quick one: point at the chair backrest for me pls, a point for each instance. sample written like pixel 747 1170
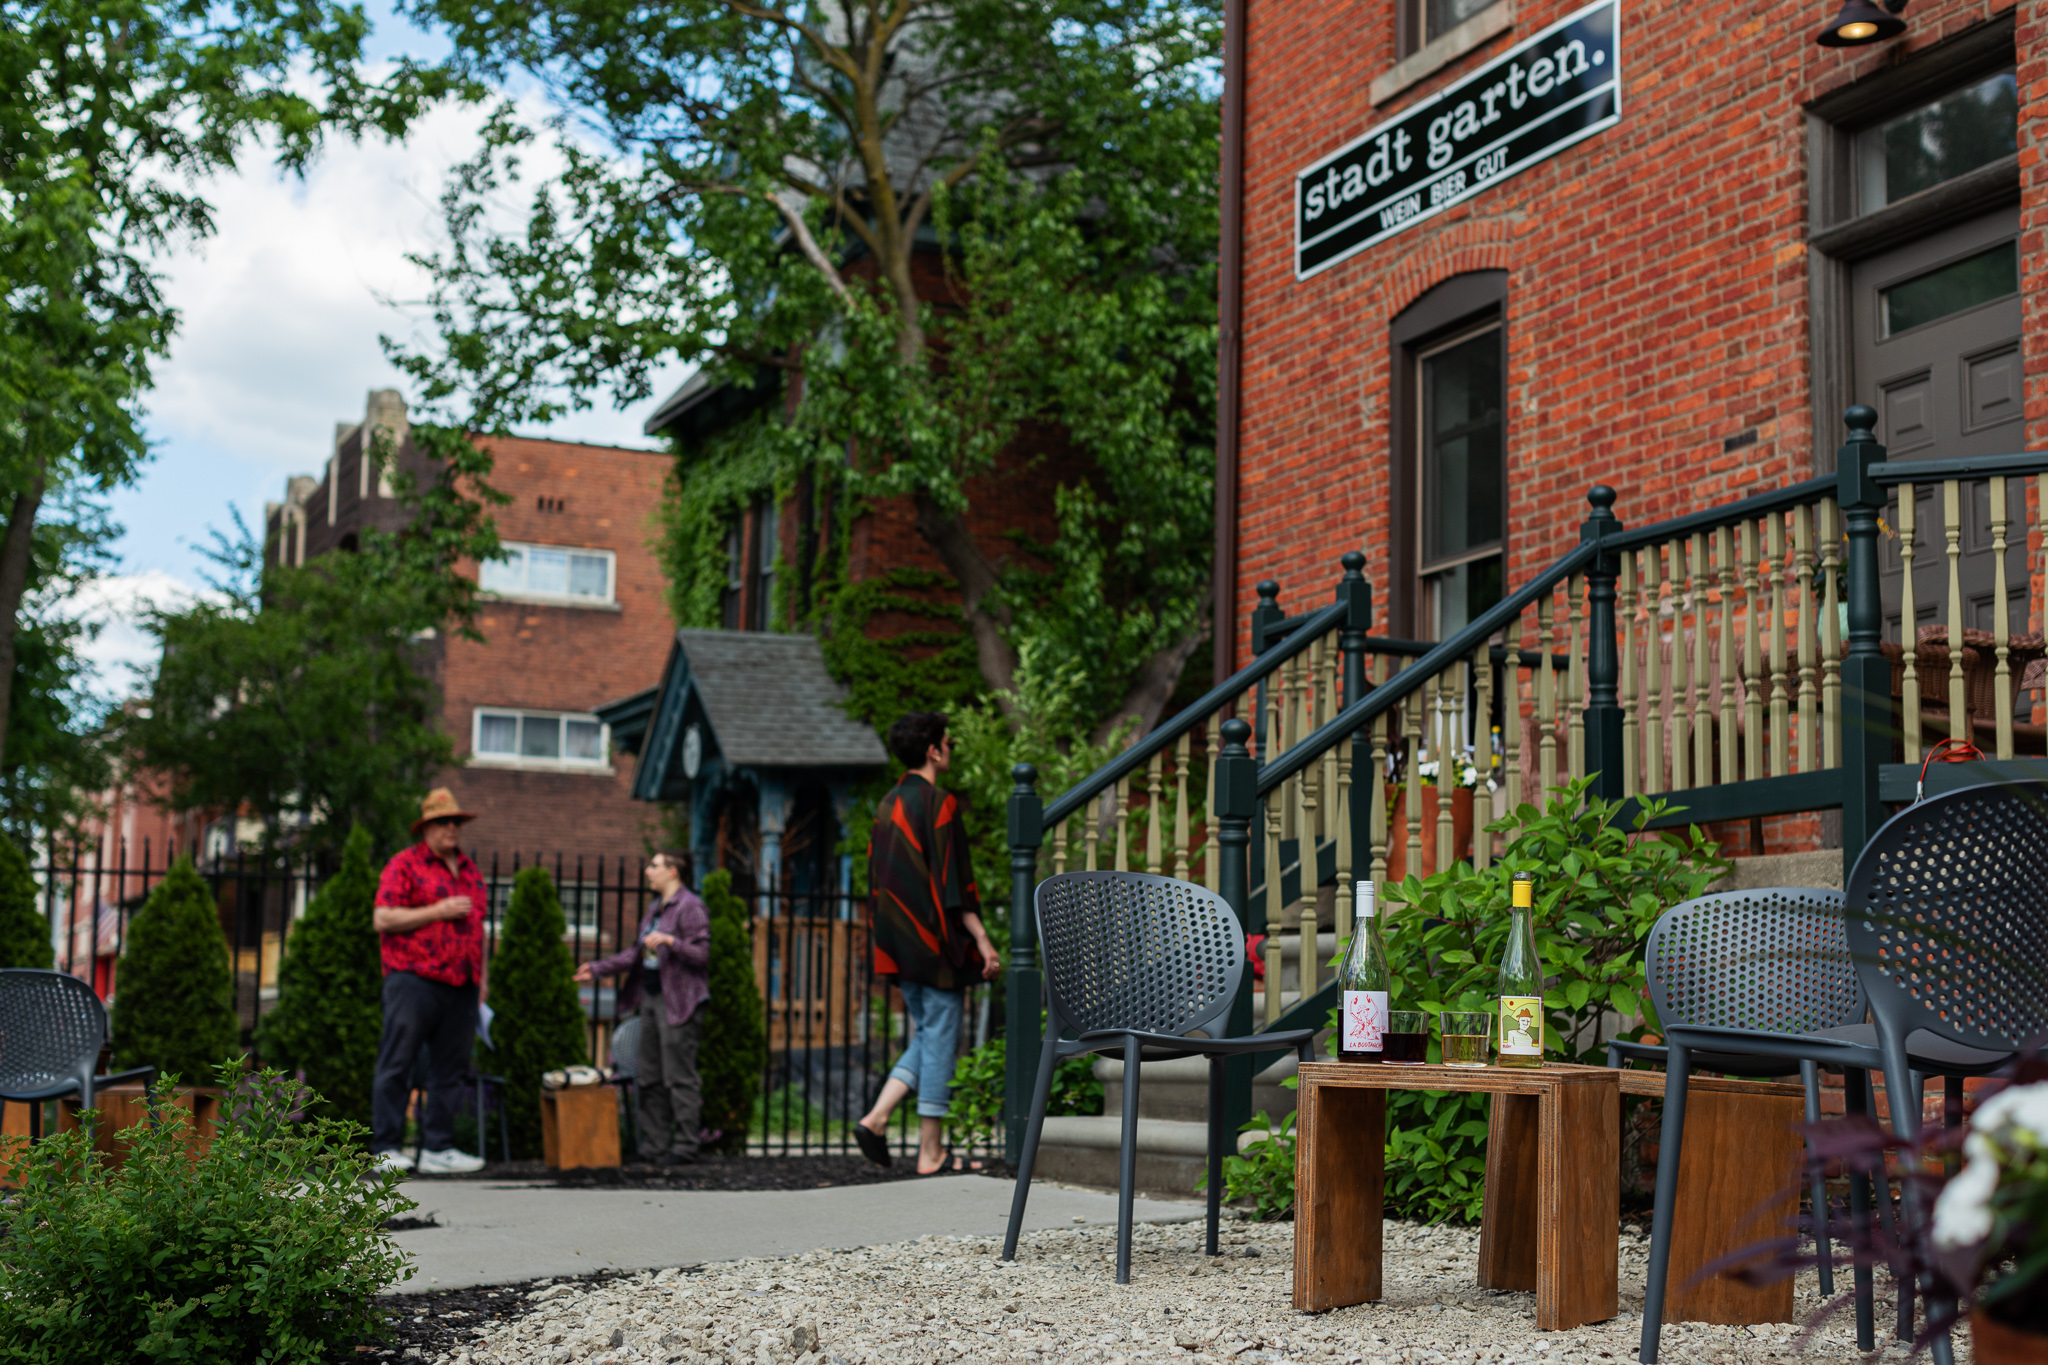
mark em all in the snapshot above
pixel 51 1029
pixel 1948 916
pixel 1776 958
pixel 1130 950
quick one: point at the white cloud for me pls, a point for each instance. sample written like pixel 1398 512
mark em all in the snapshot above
pixel 121 651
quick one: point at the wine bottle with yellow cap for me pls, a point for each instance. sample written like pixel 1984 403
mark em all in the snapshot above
pixel 1520 989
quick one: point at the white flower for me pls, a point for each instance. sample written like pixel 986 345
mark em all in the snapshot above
pixel 1962 1215
pixel 2024 1107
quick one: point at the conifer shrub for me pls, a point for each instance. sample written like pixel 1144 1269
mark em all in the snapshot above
pixel 174 992
pixel 330 1001
pixel 24 928
pixel 270 1246
pixel 539 1022
pixel 732 1043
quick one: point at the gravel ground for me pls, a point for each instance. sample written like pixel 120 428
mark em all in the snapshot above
pixel 943 1299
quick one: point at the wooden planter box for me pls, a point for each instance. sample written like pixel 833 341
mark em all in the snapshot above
pixel 121 1107
pixel 579 1126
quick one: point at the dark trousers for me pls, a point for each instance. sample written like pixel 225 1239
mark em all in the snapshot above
pixel 440 1018
pixel 666 1077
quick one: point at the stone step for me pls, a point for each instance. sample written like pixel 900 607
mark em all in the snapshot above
pixel 1172 1155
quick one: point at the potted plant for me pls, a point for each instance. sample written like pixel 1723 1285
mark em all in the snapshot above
pixel 1974 1237
pixel 1466 778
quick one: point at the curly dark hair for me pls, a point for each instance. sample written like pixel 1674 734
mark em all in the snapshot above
pixel 912 737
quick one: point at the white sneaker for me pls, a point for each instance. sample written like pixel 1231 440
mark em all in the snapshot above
pixel 449 1161
pixel 393 1160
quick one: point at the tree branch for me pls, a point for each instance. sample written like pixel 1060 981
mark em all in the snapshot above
pixel 987 618
pixel 1157 677
pixel 808 244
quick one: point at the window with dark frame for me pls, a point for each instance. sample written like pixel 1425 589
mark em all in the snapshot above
pixel 735 570
pixel 764 565
pixel 1421 22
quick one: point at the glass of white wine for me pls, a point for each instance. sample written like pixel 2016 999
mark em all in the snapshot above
pixel 1467 1035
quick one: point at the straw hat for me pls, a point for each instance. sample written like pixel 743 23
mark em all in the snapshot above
pixel 440 805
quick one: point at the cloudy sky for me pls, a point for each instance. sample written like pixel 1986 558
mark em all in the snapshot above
pixel 282 309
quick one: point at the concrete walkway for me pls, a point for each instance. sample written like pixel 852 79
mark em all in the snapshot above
pixel 493 1233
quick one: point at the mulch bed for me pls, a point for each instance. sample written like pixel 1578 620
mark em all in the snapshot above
pixel 721 1173
pixel 440 1320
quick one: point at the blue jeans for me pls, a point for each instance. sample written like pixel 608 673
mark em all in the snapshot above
pixel 927 1062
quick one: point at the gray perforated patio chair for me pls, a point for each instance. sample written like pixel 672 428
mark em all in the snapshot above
pixel 1776 959
pixel 1145 966
pixel 52 1028
pixel 1946 922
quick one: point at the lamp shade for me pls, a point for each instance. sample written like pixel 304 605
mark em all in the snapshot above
pixel 1860 22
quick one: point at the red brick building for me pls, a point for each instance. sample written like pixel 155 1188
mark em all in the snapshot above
pixel 573 616
pixel 1726 235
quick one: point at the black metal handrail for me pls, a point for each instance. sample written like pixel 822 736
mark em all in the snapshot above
pixel 1972 466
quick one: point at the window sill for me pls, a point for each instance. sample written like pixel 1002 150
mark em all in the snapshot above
pixel 1441 52
pixel 539 765
pixel 523 599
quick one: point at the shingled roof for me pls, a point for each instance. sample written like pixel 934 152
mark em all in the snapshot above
pixel 765 699
pixel 771 703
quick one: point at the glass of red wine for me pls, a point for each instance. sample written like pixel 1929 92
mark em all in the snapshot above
pixel 1407 1040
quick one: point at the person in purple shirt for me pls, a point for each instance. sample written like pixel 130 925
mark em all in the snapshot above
pixel 666 976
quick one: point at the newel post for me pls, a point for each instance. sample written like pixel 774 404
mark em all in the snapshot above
pixel 1237 799
pixel 1356 594
pixel 1867 719
pixel 1025 985
pixel 1603 659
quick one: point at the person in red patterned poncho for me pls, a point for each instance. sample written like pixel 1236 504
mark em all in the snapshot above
pixel 430 916
pixel 926 925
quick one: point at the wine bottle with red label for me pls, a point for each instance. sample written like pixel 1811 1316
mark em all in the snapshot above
pixel 1361 1036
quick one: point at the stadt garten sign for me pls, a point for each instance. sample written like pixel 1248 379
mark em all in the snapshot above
pixel 1535 99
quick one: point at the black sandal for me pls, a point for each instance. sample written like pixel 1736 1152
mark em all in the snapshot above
pixel 872 1144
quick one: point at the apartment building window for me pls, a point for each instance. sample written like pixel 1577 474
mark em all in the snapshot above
pixel 1449 470
pixel 735 576
pixel 764 564
pixel 1421 22
pixel 548 739
pixel 549 573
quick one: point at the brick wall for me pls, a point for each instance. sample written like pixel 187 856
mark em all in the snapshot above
pixel 563 658
pixel 1658 283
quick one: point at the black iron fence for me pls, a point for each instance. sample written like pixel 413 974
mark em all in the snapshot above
pixel 832 1028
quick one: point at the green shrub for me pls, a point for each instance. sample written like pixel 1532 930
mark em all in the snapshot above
pixel 330 989
pixel 539 1022
pixel 1264 1171
pixel 270 1247
pixel 733 1042
pixel 174 994
pixel 1599 891
pixel 24 928
pixel 974 1117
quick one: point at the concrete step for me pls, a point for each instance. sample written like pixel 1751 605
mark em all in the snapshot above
pixel 1179 1089
pixel 1172 1155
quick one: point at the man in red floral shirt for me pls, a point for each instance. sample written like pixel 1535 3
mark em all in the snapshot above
pixel 430 914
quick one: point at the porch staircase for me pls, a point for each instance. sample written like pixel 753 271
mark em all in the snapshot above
pixel 1173 1108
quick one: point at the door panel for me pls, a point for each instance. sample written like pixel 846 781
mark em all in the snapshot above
pixel 1946 387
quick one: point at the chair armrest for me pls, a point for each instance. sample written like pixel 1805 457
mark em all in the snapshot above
pixel 49 1092
pixel 1620 1050
pixel 1208 1047
pixel 134 1073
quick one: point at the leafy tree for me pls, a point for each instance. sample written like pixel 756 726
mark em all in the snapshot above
pixel 539 1022
pixel 733 1041
pixel 24 928
pixel 300 693
pixel 1065 153
pixel 112 115
pixel 329 1014
pixel 174 992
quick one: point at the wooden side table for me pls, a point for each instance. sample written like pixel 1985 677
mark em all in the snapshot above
pixel 122 1107
pixel 1737 1185
pixel 579 1126
pixel 1553 1202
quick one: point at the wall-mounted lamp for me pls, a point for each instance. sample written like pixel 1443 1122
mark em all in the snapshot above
pixel 1861 22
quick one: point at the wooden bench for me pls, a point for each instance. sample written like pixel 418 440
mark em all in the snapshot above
pixel 1552 1208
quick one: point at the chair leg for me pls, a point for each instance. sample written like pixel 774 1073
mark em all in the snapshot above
pixel 1906 1123
pixel 1127 1161
pixel 1856 1092
pixel 483 1134
pixel 1677 1068
pixel 1026 1159
pixel 1217 1139
pixel 1809 1077
pixel 504 1126
pixel 1951 1101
